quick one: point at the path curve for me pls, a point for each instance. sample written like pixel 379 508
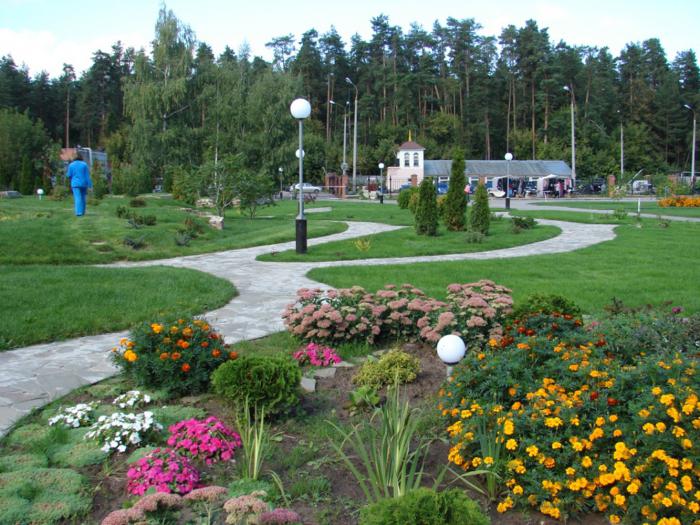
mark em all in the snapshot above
pixel 34 375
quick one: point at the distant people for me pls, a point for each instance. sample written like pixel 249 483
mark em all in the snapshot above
pixel 79 176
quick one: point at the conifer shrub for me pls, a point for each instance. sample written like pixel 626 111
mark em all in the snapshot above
pixel 404 197
pixel 480 214
pixel 271 382
pixel 426 216
pixel 99 183
pixel 426 506
pixel 394 366
pixel 455 212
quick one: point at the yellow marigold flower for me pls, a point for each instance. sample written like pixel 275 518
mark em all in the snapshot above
pixel 174 329
pixel 648 428
pixel 614 518
pixel 694 507
pixel 532 450
pixel 686 464
pixel 517 490
pixel 644 413
pixel 553 422
pixel 504 505
pixel 687 444
pixel 130 356
pixel 570 471
pixel 673 414
pixel 549 462
pixel 619 500
pixel 512 391
pixel 661 426
pixel 656 390
pixel 157 328
pixel 617 432
pixel 678 431
pixel 573 367
pixel 599 421
pixel 612 418
pixel 586 462
pixel 666 502
pixel 511 444
pixel 574 421
pixel 633 488
pixel 666 399
pixel 508 427
pixel 476 462
pixel 556 445
pixel 493 343
pixel 597 433
pixel 481 356
pixel 488 460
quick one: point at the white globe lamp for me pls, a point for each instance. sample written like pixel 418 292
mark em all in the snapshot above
pixel 451 350
pixel 300 108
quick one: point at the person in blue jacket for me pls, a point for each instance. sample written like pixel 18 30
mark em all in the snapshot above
pixel 79 176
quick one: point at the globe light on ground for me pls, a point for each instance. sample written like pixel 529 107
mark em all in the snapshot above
pixel 300 108
pixel 451 350
pixel 40 193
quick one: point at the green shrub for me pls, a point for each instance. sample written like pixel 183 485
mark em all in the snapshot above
pixel 78 455
pixel 185 186
pixel 455 213
pixel 524 223
pixel 130 180
pixel 392 366
pixel 134 243
pixel 440 201
pixel 177 356
pixel 59 192
pixel 413 201
pixel 425 507
pixel 546 304
pixel 479 213
pixel 426 212
pixel 99 183
pixel 122 212
pixel 404 198
pixel 169 415
pixel 474 237
pixel 269 382
pixel 137 202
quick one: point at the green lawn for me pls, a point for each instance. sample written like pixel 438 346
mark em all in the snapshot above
pixel 644 265
pixel 47 232
pixel 48 303
pixel 630 206
pixel 405 243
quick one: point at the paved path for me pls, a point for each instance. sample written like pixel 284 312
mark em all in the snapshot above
pixel 32 376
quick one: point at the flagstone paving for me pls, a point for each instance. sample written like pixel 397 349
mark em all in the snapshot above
pixel 31 377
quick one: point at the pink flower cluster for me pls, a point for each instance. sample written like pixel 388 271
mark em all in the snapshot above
pixel 163 469
pixel 316 355
pixel 279 517
pixel 208 440
pixel 137 513
pixel 473 310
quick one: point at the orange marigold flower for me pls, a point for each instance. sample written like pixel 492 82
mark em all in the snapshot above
pixel 185 367
pixel 233 355
pixel 187 332
pixel 130 356
pixel 205 344
pixel 183 344
pixel 216 352
pixel 176 356
pixel 164 356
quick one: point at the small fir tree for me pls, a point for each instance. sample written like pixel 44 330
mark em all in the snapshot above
pixel 99 183
pixel 455 207
pixel 480 214
pixel 426 212
pixel 26 177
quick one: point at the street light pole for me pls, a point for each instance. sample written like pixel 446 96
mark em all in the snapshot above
pixel 508 157
pixel 344 165
pixel 354 139
pixel 692 158
pixel 300 110
pixel 573 140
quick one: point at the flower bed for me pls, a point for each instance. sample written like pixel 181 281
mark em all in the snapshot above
pixel 571 427
pixel 473 310
pixel 680 201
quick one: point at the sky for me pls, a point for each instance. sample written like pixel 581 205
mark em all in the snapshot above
pixel 45 34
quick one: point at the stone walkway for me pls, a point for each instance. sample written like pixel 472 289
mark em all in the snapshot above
pixel 31 377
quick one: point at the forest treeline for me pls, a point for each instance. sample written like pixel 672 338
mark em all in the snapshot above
pixel 178 110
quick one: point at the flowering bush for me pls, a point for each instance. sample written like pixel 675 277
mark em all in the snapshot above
pixel 572 427
pixel 680 201
pixel 178 356
pixel 150 503
pixel 119 430
pixel 164 470
pixel 76 416
pixel 132 399
pixel 473 310
pixel 208 440
pixel 279 517
pixel 245 507
pixel 332 316
pixel 316 355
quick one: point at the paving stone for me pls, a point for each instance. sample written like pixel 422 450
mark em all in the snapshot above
pixel 325 373
pixel 308 384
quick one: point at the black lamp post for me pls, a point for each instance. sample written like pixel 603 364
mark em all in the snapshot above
pixel 300 110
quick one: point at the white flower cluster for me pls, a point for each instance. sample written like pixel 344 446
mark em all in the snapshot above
pixel 118 431
pixel 132 399
pixel 75 416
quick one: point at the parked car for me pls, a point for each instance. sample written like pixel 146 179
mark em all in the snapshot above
pixel 642 186
pixel 441 188
pixel 594 187
pixel 308 188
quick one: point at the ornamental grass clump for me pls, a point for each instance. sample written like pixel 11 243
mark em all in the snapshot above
pixel 164 470
pixel 207 440
pixel 579 428
pixel 176 356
